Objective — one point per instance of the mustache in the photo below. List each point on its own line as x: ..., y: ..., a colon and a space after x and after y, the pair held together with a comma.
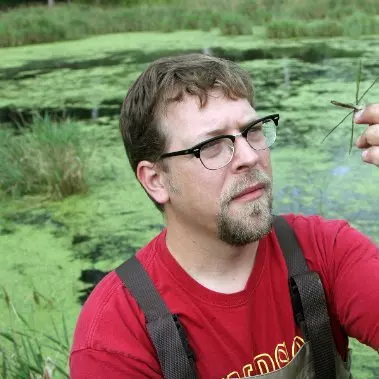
x: 254, y: 177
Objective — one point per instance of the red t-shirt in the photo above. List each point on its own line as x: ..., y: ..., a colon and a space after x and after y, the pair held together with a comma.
x: 233, y: 335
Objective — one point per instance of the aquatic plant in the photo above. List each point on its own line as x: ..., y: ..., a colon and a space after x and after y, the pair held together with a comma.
x: 27, y: 353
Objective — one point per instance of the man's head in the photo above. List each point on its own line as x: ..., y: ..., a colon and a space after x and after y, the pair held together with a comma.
x: 177, y: 103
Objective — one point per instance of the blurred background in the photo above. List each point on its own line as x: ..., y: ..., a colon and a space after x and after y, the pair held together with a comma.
x: 70, y: 207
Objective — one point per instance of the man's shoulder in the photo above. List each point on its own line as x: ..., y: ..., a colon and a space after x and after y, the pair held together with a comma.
x: 314, y: 223
x: 110, y: 309
x: 326, y: 241
x: 99, y: 307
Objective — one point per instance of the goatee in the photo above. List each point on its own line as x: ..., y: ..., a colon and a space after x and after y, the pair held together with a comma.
x: 254, y: 219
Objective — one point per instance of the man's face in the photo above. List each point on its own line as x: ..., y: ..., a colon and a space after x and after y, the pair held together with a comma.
x: 212, y: 200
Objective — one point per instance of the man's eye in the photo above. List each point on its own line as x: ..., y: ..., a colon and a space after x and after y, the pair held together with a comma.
x: 213, y: 148
x: 256, y: 127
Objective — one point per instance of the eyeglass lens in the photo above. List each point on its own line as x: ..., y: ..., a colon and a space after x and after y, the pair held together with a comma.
x: 217, y: 154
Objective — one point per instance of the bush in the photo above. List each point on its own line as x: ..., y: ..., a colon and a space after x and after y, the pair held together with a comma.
x: 235, y: 24
x: 324, y: 28
x: 259, y: 14
x: 46, y: 158
x: 286, y: 29
x: 359, y: 24
x: 294, y: 29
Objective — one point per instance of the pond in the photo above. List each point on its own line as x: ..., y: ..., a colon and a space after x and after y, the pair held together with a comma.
x: 84, y: 236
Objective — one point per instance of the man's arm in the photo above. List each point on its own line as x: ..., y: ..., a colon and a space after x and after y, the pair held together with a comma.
x: 93, y: 364
x: 355, y: 289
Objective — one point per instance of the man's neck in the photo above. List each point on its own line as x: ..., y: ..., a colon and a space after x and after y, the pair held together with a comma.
x: 211, y: 262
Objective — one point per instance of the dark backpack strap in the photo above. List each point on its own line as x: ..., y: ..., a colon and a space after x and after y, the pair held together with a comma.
x: 308, y: 301
x: 175, y: 356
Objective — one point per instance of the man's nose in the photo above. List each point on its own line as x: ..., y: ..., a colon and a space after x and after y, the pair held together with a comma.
x: 244, y: 154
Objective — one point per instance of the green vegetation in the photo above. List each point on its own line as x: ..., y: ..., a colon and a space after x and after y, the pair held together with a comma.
x: 25, y: 351
x: 288, y: 19
x: 47, y: 243
x: 47, y: 158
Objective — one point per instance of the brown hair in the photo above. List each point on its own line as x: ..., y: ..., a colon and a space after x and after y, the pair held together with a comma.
x: 165, y: 81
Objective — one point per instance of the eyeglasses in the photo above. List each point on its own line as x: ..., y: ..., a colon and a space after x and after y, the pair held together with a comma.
x: 217, y: 152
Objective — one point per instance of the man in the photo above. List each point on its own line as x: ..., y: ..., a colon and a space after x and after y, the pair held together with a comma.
x: 201, y: 152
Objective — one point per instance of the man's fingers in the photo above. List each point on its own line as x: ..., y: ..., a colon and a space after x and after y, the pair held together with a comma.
x: 370, y: 137
x: 371, y: 155
x: 368, y: 115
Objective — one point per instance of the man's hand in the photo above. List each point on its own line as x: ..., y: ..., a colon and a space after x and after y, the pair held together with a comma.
x: 369, y: 139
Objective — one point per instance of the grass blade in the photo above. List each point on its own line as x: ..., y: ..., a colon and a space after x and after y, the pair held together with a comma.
x: 4, y: 371
x: 358, y: 82
x: 25, y: 348
x: 37, y: 359
x: 62, y: 371
x: 331, y: 131
x: 20, y: 317
x: 7, y: 336
x: 55, y: 328
x: 65, y: 332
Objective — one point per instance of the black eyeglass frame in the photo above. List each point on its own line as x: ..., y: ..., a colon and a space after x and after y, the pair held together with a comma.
x: 195, y: 150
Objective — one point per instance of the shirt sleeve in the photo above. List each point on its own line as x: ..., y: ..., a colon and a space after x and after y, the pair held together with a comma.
x: 99, y: 364
x: 355, y: 288
x: 110, y: 339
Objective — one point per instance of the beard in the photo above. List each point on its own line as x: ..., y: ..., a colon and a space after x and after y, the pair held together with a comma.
x: 253, y: 220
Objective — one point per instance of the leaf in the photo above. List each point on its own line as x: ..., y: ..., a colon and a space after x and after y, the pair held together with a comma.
x: 4, y: 365
x: 62, y: 371
x: 37, y: 358
x: 7, y: 336
x: 65, y: 332
x: 20, y: 317
x: 25, y: 348
x: 6, y: 297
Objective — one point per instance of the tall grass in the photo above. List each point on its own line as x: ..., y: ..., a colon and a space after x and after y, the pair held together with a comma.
x: 38, y: 24
x: 355, y: 25
x: 288, y: 18
x: 46, y: 158
x: 27, y: 353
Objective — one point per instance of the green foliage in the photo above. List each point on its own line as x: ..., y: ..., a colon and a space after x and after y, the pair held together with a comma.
x: 287, y: 19
x: 259, y: 13
x: 39, y: 24
x: 323, y: 28
x: 297, y: 29
x: 286, y: 28
x: 359, y: 24
x: 47, y: 158
x: 28, y: 353
x: 235, y: 24
x: 354, y: 25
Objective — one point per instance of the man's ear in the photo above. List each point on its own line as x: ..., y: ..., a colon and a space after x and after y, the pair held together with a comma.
x: 151, y: 178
